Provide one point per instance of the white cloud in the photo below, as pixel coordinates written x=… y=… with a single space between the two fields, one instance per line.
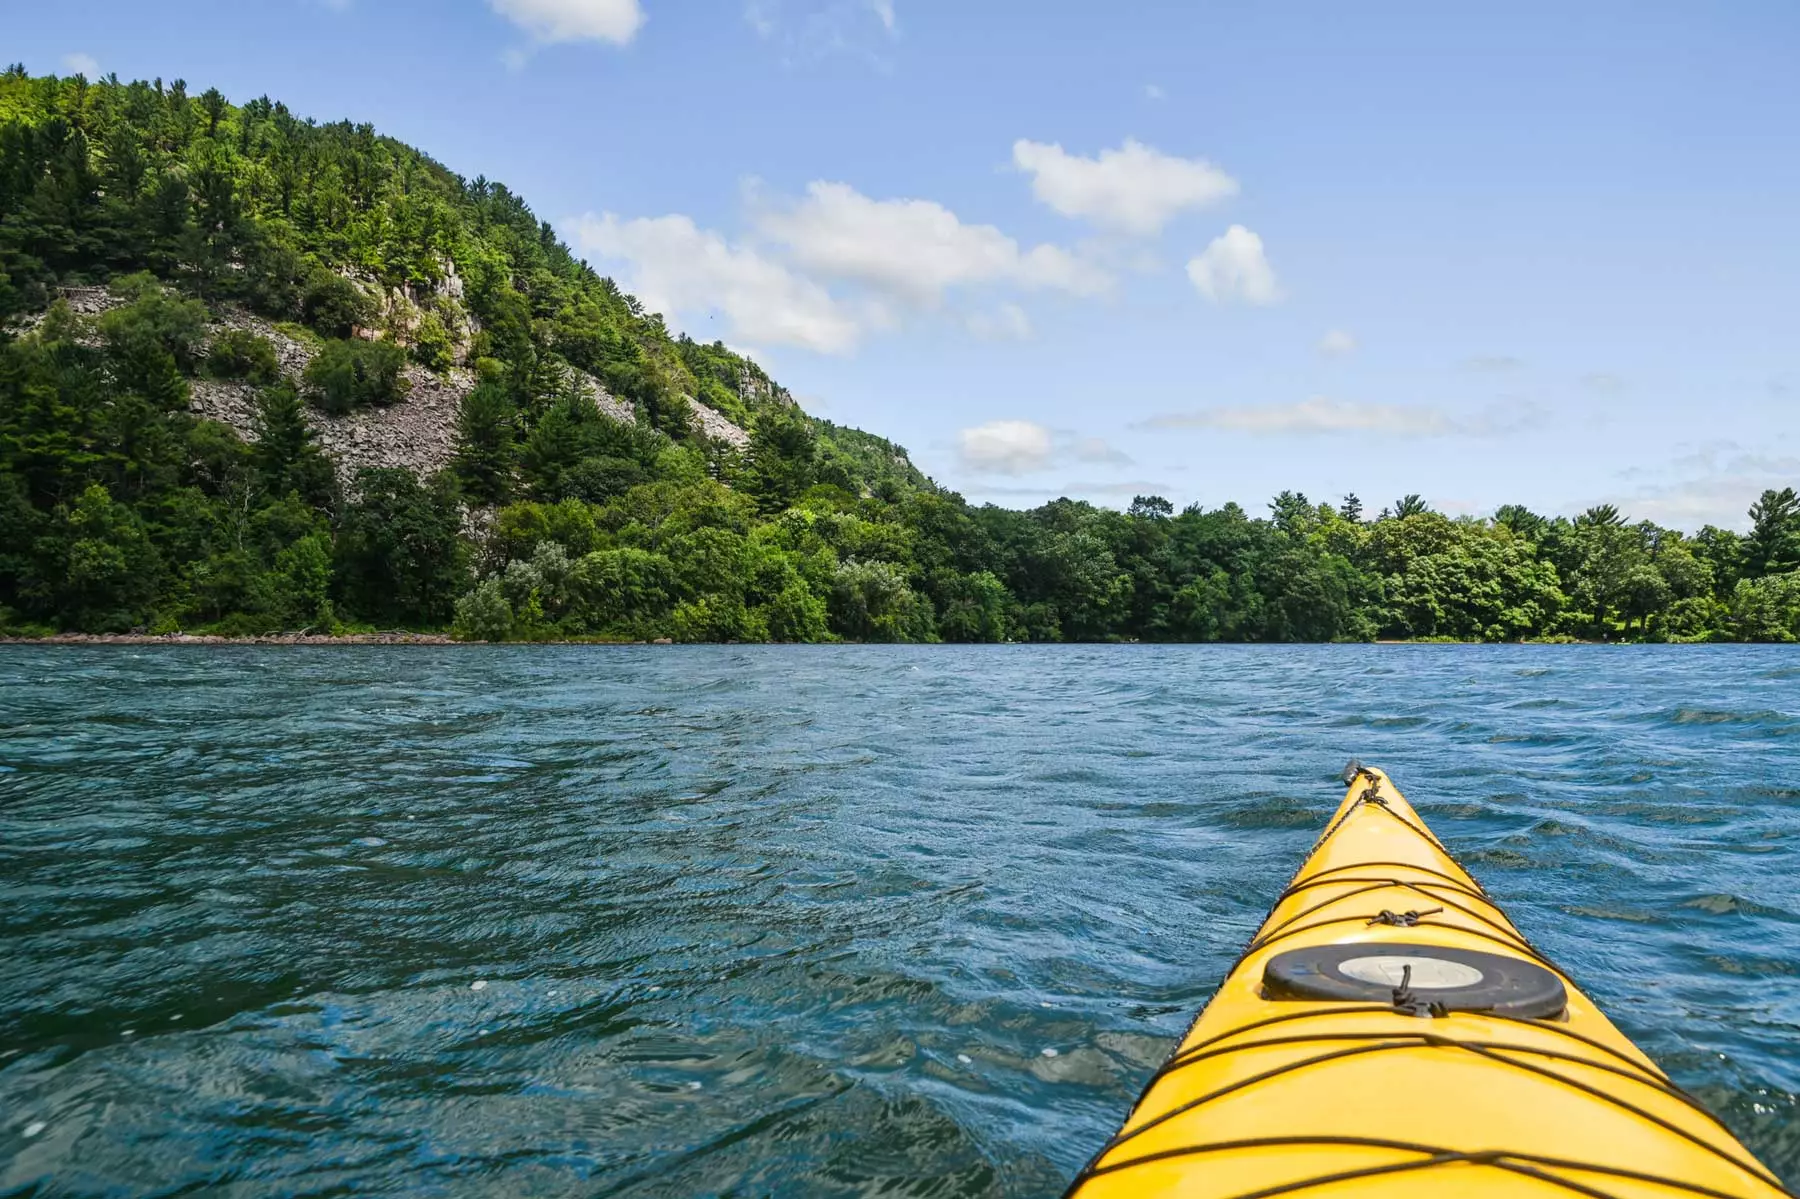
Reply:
x=1154 y=91
x=615 y=21
x=1234 y=267
x=912 y=251
x=1492 y=364
x=1336 y=343
x=884 y=12
x=1022 y=447
x=676 y=268
x=1006 y=323
x=1321 y=414
x=1135 y=189
x=1603 y=383
x=81 y=64
x=1006 y=447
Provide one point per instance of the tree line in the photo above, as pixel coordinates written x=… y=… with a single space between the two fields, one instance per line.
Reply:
x=120 y=509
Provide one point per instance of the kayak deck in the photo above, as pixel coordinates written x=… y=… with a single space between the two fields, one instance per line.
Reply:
x=1416 y=1076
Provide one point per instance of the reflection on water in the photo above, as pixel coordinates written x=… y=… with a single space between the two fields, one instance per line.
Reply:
x=828 y=921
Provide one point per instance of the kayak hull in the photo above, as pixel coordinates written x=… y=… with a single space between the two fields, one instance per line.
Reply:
x=1394 y=1086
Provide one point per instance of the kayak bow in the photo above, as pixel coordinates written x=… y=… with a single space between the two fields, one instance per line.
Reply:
x=1389 y=1032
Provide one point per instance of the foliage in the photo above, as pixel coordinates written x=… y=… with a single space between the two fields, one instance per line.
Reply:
x=241 y=354
x=399 y=553
x=1768 y=608
x=581 y=501
x=347 y=375
x=431 y=344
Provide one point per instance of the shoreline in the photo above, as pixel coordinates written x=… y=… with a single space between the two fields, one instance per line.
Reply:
x=390 y=638
x=402 y=637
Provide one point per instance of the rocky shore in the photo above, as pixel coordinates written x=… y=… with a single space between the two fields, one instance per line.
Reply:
x=396 y=637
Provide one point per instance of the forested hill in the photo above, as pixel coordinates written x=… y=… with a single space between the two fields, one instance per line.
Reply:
x=261 y=374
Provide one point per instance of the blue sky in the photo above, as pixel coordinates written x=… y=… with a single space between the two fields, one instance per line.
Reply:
x=1538 y=253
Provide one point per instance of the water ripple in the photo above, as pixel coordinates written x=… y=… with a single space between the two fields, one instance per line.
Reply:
x=824 y=921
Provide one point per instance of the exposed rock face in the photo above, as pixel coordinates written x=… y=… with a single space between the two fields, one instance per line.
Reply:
x=756 y=389
x=609 y=404
x=709 y=423
x=418 y=433
x=89 y=301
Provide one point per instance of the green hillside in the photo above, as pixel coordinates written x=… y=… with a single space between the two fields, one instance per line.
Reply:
x=230 y=331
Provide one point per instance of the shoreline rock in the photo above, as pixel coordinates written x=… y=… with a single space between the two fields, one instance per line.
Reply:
x=396 y=637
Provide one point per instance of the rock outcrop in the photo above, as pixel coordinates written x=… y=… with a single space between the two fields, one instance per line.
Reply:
x=419 y=432
x=709 y=423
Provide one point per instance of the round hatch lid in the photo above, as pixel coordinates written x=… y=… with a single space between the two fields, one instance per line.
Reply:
x=1449 y=979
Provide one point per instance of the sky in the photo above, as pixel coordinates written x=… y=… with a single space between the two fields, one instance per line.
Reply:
x=1534 y=253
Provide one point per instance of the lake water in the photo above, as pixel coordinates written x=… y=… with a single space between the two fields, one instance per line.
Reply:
x=803 y=921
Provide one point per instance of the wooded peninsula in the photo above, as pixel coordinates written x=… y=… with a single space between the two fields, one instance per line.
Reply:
x=260 y=374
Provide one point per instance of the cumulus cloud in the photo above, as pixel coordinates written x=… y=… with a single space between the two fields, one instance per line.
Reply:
x=615 y=21
x=1336 y=343
x=1323 y=415
x=81 y=64
x=1022 y=447
x=676 y=267
x=1135 y=189
x=1234 y=267
x=1006 y=447
x=912 y=251
x=823 y=269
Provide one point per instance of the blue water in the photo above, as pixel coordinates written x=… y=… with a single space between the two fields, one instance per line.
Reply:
x=802 y=921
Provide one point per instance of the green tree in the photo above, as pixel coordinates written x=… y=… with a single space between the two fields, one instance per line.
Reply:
x=870 y=601
x=782 y=462
x=347 y=375
x=333 y=305
x=399 y=557
x=241 y=354
x=627 y=591
x=108 y=572
x=486 y=449
x=975 y=608
x=1773 y=546
x=431 y=346
x=1609 y=558
x=286 y=456
x=1767 y=608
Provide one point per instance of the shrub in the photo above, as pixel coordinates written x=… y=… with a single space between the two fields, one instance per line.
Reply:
x=484 y=614
x=431 y=345
x=347 y=375
x=241 y=354
x=156 y=322
x=1767 y=609
x=333 y=305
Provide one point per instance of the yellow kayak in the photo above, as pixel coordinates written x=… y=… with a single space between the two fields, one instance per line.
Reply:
x=1389 y=1032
